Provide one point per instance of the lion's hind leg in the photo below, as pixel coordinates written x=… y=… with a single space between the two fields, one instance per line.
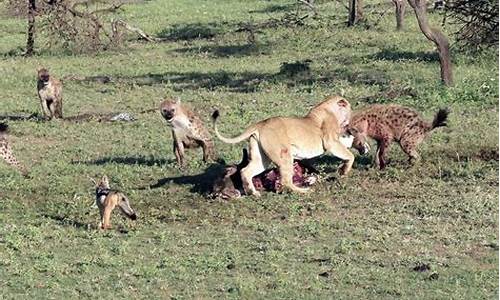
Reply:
x=286 y=172
x=257 y=164
x=284 y=160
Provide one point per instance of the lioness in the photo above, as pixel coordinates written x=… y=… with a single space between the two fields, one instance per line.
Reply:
x=282 y=139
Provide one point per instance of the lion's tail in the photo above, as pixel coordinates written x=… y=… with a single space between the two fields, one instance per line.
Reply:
x=245 y=135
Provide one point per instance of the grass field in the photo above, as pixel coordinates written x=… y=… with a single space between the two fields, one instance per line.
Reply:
x=427 y=232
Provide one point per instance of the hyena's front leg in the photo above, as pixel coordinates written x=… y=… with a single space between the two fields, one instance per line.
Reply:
x=178 y=149
x=179 y=152
x=383 y=146
x=45 y=107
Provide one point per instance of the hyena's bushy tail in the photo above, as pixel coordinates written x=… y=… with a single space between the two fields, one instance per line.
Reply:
x=440 y=118
x=3 y=127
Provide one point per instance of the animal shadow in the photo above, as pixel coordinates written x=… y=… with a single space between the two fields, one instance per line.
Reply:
x=398 y=55
x=63 y=221
x=127 y=160
x=33 y=117
x=201 y=183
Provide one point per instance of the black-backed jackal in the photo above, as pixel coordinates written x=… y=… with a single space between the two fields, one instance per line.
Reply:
x=107 y=199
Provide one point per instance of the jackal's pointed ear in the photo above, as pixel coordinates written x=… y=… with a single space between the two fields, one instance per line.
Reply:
x=93 y=181
x=105 y=180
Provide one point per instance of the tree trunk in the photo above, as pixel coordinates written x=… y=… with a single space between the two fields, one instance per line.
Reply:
x=31 y=27
x=436 y=36
x=400 y=13
x=355 y=12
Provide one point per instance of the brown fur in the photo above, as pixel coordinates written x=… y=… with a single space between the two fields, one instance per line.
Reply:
x=107 y=200
x=280 y=140
x=188 y=130
x=388 y=123
x=50 y=94
x=6 y=151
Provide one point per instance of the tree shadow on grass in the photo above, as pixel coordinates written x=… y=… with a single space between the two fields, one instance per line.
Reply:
x=201 y=183
x=227 y=50
x=293 y=74
x=235 y=81
x=248 y=82
x=397 y=55
x=274 y=8
x=193 y=31
x=127 y=160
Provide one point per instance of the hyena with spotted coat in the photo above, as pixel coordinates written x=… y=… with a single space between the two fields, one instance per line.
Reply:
x=6 y=151
x=188 y=130
x=388 y=123
x=50 y=94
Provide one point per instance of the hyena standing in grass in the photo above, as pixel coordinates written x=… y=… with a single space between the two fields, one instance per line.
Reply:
x=6 y=151
x=50 y=93
x=188 y=130
x=388 y=123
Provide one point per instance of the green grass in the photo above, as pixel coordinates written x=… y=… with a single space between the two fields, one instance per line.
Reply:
x=359 y=237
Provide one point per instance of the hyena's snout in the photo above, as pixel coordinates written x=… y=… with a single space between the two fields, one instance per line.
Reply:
x=365 y=148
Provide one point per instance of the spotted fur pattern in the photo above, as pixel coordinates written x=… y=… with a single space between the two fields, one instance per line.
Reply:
x=388 y=123
x=6 y=151
x=188 y=130
x=50 y=94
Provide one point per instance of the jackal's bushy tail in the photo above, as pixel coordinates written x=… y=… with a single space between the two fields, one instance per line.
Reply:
x=440 y=118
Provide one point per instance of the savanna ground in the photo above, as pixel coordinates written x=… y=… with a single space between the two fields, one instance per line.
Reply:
x=428 y=231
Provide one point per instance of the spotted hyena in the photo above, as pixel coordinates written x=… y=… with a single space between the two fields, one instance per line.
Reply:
x=387 y=123
x=188 y=130
x=6 y=151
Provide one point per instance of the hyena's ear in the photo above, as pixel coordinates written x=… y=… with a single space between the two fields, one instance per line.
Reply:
x=363 y=126
x=351 y=130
